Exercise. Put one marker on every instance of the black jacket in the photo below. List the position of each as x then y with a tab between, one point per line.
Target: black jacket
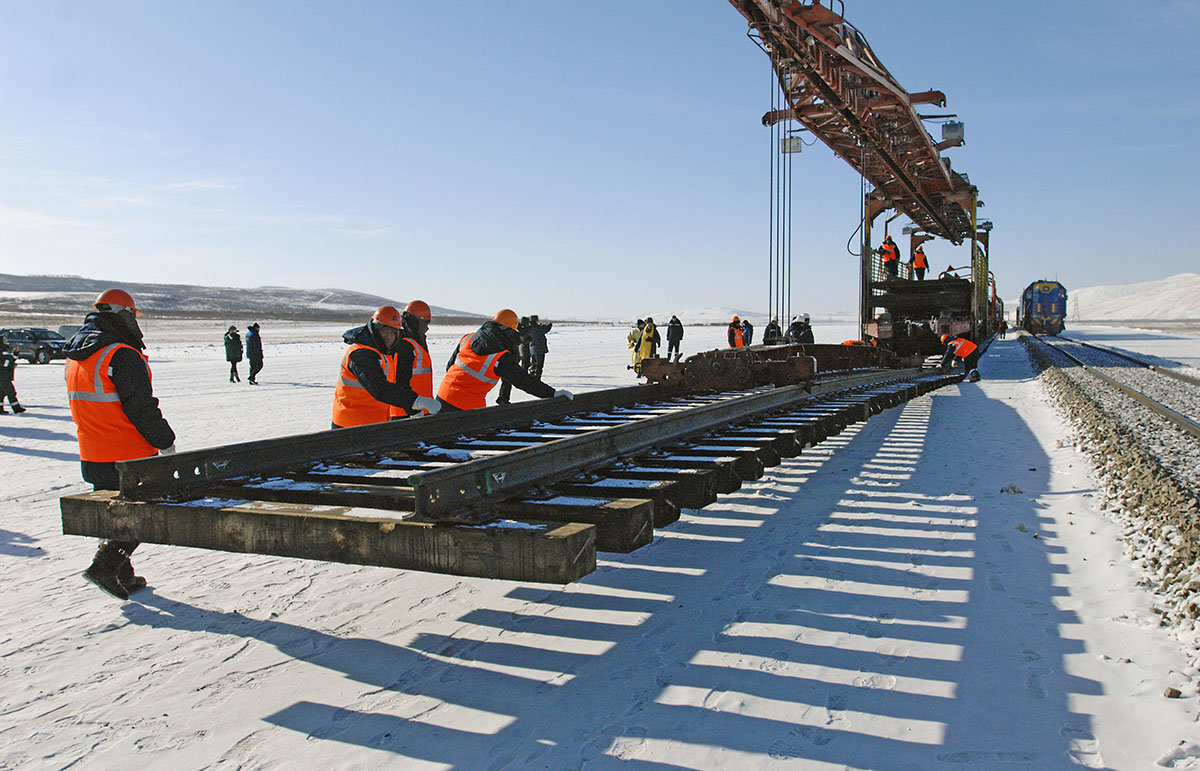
772	334
368	370
799	332
233	347
128	373
253	346
8	364
494	337
674	331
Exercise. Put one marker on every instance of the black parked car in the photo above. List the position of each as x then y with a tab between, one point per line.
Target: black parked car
35	344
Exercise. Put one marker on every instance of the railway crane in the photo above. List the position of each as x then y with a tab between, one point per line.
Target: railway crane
837	88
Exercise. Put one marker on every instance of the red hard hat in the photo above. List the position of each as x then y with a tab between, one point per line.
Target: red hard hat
116	297
388	316
945	338
419	308
506	317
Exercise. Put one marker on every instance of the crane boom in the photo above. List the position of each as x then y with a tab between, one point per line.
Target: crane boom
838	89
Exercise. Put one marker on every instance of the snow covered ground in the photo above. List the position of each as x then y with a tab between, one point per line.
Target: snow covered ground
932	589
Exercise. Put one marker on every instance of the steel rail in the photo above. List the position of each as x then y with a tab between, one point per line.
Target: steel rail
1180	420
1140	362
466	485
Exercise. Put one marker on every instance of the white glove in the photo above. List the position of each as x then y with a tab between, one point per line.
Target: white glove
167	450
563	392
426	404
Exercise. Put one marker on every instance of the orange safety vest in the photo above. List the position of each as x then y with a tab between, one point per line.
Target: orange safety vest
105	433
890	252
738	340
422	375
919	260
352	405
963	347
470	377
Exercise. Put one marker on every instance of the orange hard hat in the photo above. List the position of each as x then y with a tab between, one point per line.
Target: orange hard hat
419	308
945	338
735	318
388	316
506	317
116	297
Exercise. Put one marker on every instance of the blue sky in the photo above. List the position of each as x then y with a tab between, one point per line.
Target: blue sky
564	158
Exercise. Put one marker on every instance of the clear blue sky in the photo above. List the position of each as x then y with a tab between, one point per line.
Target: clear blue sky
564	158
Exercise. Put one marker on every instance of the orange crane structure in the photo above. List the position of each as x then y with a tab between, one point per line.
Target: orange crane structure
836	87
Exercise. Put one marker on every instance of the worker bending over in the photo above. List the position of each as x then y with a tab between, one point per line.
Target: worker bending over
963	349
411	362
367	388
484	358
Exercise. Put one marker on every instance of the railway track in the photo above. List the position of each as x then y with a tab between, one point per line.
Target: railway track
1170	395
529	491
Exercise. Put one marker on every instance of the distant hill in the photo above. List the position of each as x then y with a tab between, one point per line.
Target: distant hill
71	295
1175	297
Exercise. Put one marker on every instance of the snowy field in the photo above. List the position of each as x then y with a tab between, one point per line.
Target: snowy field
933	589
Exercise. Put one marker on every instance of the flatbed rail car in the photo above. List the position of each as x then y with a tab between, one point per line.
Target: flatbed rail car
1043	309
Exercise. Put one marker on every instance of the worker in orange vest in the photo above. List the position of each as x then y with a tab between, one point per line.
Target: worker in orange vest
963	349
116	417
367	388
919	263
411	359
891	256
484	358
737	338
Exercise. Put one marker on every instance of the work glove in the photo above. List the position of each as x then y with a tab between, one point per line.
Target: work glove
167	450
425	404
563	392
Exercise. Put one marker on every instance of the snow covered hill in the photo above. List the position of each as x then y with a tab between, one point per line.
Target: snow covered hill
69	295
1175	297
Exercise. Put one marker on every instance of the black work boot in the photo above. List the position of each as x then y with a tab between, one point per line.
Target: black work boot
17	409
103	570
128	580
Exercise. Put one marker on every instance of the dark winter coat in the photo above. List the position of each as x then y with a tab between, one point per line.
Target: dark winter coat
674	331
233	347
128	372
368	369
8	364
537	338
494	337
748	332
772	334
806	334
253	347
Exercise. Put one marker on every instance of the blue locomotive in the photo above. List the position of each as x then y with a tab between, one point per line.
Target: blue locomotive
1043	308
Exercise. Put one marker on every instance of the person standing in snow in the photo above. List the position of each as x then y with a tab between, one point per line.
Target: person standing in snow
411	360
8	369
674	336
773	334
747	332
538	347
116	417
505	394
367	388
233	353
737	338
800	330
648	346
482	359
635	343
254	354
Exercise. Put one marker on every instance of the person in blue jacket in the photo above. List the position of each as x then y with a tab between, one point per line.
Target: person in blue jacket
538	348
254	353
